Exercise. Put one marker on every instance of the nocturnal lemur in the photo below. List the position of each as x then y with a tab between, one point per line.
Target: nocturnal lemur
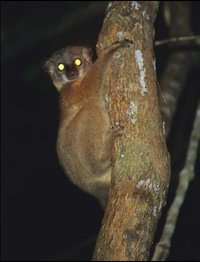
85	137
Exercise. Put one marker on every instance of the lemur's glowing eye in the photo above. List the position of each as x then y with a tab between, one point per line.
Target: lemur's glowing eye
78	62
61	67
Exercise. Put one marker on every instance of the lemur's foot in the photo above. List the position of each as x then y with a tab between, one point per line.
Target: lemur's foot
117	131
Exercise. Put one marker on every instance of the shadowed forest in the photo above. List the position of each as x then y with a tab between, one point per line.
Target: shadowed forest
43	215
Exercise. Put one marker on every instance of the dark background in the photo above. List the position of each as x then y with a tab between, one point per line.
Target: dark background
44	216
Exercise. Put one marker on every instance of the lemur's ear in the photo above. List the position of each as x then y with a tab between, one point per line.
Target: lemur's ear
87	52
48	66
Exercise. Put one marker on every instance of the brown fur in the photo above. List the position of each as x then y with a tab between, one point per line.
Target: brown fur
85	137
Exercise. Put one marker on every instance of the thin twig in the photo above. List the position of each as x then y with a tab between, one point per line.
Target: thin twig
183	39
186	175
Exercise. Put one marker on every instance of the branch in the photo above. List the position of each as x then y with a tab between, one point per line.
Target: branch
186	175
178	65
141	168
193	40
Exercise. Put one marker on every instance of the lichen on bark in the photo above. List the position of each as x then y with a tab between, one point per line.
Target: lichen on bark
141	169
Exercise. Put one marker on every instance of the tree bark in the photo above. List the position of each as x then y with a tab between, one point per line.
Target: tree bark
187	174
141	169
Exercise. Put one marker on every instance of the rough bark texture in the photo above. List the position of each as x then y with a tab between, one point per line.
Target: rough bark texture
187	174
141	168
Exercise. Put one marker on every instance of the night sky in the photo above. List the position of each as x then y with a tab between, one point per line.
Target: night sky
44	216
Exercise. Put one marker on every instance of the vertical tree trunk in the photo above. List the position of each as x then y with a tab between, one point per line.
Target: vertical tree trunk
141	168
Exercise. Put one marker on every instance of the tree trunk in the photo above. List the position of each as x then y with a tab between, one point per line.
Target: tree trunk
141	169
